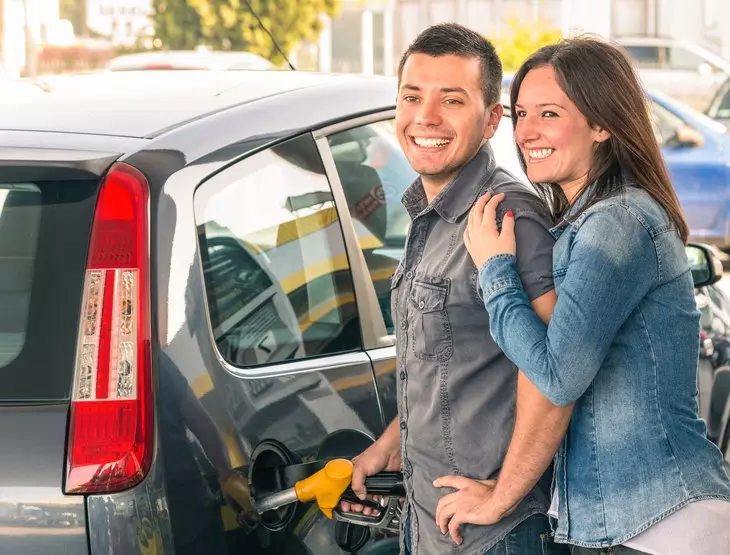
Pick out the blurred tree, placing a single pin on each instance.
(523, 38)
(177, 24)
(75, 12)
(230, 24)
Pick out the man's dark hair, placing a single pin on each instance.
(452, 39)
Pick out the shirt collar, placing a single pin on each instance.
(458, 196)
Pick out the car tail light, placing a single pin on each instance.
(111, 426)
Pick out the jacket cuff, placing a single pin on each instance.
(499, 272)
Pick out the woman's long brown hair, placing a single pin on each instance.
(601, 81)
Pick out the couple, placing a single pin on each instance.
(597, 312)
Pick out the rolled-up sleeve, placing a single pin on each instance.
(613, 264)
(534, 241)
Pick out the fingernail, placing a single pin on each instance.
(510, 214)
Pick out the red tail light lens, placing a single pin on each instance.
(111, 427)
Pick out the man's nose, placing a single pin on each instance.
(429, 112)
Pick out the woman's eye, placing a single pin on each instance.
(549, 114)
(521, 113)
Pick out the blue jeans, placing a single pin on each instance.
(618, 550)
(531, 537)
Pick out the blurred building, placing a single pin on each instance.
(369, 35)
(121, 21)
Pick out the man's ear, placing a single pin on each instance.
(496, 111)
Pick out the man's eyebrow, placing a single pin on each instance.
(408, 87)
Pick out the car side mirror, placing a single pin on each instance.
(705, 266)
(686, 136)
(705, 69)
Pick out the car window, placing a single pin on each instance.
(374, 174)
(646, 57)
(720, 108)
(20, 210)
(276, 273)
(665, 123)
(44, 238)
(682, 59)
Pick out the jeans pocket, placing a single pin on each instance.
(431, 335)
(549, 547)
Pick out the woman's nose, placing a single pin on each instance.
(526, 129)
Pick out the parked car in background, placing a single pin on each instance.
(678, 68)
(697, 153)
(719, 108)
(188, 60)
(696, 150)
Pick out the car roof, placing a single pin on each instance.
(142, 103)
(188, 60)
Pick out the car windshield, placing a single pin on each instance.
(688, 114)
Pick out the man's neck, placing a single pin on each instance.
(433, 186)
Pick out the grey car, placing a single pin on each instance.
(195, 306)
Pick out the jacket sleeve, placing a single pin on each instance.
(613, 264)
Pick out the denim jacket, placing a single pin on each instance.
(623, 346)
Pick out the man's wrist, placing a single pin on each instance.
(503, 503)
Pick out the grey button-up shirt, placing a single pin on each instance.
(457, 390)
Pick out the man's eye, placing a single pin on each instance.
(453, 101)
(409, 98)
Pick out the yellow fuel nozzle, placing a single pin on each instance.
(326, 486)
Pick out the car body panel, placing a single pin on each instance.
(32, 503)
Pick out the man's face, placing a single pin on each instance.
(441, 119)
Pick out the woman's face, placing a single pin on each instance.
(555, 138)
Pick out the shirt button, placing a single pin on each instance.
(421, 305)
(402, 375)
(409, 274)
(404, 325)
(402, 425)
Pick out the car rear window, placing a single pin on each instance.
(44, 237)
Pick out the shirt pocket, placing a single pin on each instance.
(431, 336)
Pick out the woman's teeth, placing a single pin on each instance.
(539, 153)
(428, 142)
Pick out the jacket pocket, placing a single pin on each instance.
(431, 336)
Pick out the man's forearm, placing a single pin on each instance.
(539, 428)
(390, 438)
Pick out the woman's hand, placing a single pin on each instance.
(482, 238)
(472, 503)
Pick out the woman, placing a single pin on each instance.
(635, 472)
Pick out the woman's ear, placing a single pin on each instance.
(600, 135)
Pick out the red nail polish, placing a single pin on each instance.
(510, 214)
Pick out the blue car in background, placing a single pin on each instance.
(696, 149)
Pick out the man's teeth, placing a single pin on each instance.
(540, 153)
(423, 141)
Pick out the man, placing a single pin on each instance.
(457, 391)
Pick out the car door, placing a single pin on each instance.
(364, 158)
(264, 352)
